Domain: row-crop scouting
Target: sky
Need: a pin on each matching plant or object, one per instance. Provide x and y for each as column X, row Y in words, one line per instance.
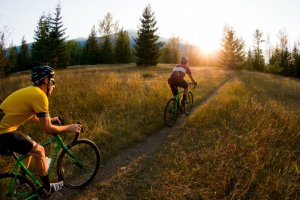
column 196, row 21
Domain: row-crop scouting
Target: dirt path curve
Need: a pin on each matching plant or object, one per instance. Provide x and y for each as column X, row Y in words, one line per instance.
column 121, row 162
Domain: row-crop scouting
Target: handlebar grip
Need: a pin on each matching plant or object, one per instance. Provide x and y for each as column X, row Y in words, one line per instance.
column 195, row 84
column 81, row 127
column 61, row 119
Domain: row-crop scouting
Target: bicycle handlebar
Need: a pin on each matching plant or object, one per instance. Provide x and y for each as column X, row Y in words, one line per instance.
column 195, row 84
column 62, row 122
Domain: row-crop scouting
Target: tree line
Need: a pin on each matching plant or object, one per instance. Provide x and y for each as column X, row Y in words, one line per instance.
column 50, row 47
column 279, row 60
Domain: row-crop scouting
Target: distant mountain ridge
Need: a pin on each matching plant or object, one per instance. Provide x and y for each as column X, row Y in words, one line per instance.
column 131, row 34
column 82, row 40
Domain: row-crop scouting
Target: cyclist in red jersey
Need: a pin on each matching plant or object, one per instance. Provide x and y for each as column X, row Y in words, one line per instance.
column 176, row 79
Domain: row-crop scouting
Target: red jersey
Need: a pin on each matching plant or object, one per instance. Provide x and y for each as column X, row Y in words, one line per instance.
column 180, row 70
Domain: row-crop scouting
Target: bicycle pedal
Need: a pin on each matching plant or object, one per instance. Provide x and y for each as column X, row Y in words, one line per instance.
column 43, row 193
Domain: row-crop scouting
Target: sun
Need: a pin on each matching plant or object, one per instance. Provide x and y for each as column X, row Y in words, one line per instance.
column 207, row 46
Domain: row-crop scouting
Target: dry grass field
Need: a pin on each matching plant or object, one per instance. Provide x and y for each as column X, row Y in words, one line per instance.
column 117, row 105
column 243, row 143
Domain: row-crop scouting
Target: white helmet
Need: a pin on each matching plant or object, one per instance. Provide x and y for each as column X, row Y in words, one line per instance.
column 184, row 60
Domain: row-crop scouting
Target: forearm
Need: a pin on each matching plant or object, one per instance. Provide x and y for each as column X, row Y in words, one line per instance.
column 53, row 129
column 49, row 128
column 192, row 78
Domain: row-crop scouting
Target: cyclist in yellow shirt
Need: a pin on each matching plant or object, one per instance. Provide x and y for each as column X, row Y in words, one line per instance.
column 31, row 104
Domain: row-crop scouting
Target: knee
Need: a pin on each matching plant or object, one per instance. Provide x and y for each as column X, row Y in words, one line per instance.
column 38, row 150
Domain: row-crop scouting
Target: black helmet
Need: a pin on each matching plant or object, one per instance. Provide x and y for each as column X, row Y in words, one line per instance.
column 40, row 73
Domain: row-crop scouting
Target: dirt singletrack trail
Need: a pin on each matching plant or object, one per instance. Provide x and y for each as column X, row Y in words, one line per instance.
column 123, row 161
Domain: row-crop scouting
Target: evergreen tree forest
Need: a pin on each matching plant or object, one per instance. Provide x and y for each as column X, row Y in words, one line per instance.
column 108, row 44
column 282, row 59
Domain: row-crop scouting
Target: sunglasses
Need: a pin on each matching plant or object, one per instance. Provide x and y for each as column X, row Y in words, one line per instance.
column 53, row 81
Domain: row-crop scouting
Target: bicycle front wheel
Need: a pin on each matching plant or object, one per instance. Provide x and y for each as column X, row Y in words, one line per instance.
column 189, row 103
column 17, row 187
column 78, row 166
column 171, row 112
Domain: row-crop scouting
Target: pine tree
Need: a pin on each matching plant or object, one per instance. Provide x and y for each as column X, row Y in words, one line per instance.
column 12, row 60
column 106, row 50
column 3, row 61
column 57, row 39
column 296, row 61
column 90, row 54
column 24, row 57
column 123, row 53
column 106, row 28
column 232, row 52
column 258, row 58
column 170, row 52
column 285, row 55
column 74, row 52
column 147, row 46
column 275, row 62
column 40, row 47
column 249, row 60
column 49, row 47
column 192, row 52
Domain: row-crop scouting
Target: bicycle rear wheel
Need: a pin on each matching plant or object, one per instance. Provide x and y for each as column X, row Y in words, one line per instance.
column 189, row 103
column 23, row 188
column 78, row 167
column 171, row 112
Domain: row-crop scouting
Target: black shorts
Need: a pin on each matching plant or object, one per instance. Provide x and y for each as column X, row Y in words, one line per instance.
column 175, row 83
column 15, row 142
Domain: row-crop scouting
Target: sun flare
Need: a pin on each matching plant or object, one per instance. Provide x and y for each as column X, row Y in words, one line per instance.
column 207, row 46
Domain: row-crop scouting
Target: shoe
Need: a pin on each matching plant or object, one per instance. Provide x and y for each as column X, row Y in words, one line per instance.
column 54, row 187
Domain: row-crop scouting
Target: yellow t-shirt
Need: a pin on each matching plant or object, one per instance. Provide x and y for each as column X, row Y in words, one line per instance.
column 21, row 106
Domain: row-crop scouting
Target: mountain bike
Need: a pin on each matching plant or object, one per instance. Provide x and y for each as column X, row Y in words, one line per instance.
column 77, row 165
column 174, row 107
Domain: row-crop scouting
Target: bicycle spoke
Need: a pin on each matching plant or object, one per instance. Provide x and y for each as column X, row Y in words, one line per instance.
column 78, row 167
column 20, row 188
column 171, row 112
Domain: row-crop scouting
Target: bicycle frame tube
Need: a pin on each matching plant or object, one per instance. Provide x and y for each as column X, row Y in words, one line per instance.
column 177, row 97
column 12, row 184
column 60, row 144
column 20, row 164
column 73, row 156
column 19, row 160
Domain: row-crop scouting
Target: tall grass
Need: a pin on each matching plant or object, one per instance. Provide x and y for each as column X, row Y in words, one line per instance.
column 117, row 105
column 243, row 144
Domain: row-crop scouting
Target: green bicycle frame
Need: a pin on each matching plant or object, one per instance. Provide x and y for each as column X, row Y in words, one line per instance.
column 20, row 164
column 177, row 97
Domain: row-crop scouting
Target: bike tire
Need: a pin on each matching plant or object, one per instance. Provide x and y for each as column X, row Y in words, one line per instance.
column 171, row 112
column 189, row 103
column 24, row 188
column 78, row 175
